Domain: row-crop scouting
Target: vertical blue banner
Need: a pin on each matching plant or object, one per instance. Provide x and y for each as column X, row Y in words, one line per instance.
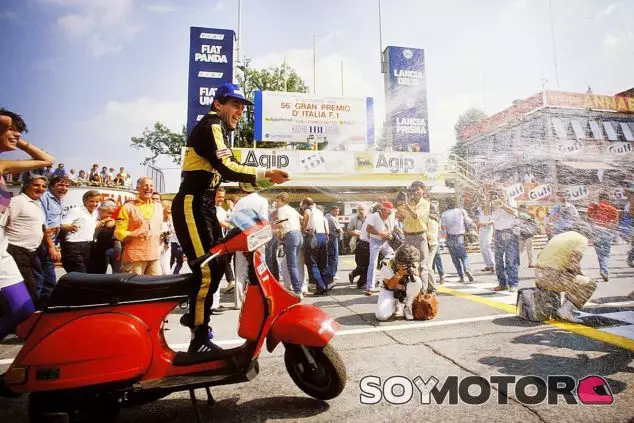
column 369, row 107
column 210, row 66
column 406, row 99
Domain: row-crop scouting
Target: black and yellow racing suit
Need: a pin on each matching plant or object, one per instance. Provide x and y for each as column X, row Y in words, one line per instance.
column 207, row 161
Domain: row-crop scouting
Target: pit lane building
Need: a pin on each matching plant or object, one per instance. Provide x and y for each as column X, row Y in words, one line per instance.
column 580, row 143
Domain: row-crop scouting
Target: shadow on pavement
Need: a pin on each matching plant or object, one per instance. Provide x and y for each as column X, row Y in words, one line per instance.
column 615, row 360
column 227, row 410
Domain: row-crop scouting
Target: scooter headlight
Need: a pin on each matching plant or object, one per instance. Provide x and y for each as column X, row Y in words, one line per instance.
column 259, row 238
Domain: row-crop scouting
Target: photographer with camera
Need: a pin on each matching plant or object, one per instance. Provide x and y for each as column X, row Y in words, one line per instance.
column 401, row 283
column 414, row 212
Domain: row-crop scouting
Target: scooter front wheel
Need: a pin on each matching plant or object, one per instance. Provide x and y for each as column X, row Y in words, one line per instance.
column 317, row 371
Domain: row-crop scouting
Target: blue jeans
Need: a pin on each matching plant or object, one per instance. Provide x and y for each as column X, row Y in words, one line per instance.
column 603, row 244
column 292, row 244
column 317, row 261
column 333, row 255
column 45, row 278
column 375, row 248
column 438, row 264
column 507, row 258
column 458, row 253
column 270, row 254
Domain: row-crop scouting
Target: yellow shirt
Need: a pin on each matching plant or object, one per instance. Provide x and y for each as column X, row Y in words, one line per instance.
column 556, row 254
column 121, row 225
column 416, row 224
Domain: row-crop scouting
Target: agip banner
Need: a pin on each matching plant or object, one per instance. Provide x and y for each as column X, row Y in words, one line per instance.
column 301, row 118
column 406, row 99
column 210, row 66
column 344, row 163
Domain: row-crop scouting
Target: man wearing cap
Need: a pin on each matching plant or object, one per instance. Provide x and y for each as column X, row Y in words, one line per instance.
column 414, row 213
column 377, row 225
column 207, row 161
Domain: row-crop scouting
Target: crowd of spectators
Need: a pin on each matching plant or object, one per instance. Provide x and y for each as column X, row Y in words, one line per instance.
column 107, row 177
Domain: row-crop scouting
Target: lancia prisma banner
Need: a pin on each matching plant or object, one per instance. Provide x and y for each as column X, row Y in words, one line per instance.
column 406, row 99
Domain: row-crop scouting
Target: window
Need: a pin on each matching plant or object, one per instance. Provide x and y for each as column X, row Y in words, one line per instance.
column 627, row 132
column 597, row 133
column 560, row 128
column 579, row 128
column 609, row 130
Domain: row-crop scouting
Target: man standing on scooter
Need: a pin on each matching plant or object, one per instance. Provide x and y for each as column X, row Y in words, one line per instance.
column 208, row 160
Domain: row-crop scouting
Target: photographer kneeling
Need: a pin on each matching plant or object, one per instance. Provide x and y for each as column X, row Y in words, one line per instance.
column 401, row 283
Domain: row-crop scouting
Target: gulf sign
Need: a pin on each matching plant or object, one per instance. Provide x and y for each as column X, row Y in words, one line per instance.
column 406, row 99
column 304, row 118
column 210, row 66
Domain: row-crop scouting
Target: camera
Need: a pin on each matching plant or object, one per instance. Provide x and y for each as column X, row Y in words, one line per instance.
column 403, row 196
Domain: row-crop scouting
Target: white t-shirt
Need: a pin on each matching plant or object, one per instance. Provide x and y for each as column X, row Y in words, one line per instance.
column 316, row 221
column 293, row 216
column 26, row 218
column 253, row 201
column 377, row 223
column 86, row 221
column 502, row 220
column 364, row 231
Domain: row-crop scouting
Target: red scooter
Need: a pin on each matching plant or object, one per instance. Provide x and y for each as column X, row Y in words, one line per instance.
column 99, row 345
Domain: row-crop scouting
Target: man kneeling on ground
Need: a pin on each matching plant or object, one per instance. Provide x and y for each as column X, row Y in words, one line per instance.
column 401, row 283
column 559, row 270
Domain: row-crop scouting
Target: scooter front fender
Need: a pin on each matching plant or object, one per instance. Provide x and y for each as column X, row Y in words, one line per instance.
column 302, row 324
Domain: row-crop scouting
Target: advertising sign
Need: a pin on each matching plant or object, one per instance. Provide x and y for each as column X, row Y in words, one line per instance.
column 301, row 118
column 343, row 162
column 406, row 99
column 210, row 66
column 576, row 193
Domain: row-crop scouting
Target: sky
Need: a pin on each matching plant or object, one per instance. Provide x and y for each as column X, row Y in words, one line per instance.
column 87, row 75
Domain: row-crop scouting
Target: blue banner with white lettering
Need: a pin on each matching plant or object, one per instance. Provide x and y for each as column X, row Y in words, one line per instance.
column 210, row 66
column 406, row 99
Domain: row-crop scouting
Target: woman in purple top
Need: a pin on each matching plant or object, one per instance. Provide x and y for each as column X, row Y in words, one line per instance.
column 15, row 301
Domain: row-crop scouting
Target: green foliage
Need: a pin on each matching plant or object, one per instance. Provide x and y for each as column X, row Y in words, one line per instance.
column 467, row 118
column 160, row 141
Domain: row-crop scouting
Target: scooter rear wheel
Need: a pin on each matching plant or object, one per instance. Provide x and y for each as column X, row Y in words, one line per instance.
column 324, row 380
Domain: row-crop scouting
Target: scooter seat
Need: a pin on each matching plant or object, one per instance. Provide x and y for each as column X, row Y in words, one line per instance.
column 84, row 289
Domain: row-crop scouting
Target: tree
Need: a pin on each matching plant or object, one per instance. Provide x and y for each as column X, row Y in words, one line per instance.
column 466, row 119
column 160, row 141
column 280, row 78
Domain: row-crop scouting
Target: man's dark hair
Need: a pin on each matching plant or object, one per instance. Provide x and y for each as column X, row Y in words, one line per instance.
column 451, row 203
column 56, row 179
column 222, row 100
column 17, row 120
column 406, row 255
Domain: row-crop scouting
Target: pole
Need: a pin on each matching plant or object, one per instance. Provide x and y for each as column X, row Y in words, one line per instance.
column 552, row 37
column 342, row 78
column 380, row 37
column 314, row 66
column 238, row 50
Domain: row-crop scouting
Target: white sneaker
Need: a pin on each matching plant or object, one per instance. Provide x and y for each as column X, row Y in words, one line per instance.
column 566, row 312
column 407, row 312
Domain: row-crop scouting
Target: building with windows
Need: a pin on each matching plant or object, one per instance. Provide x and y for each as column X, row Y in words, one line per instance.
column 579, row 143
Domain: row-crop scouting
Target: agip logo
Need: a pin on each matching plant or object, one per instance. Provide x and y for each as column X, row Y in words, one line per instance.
column 408, row 54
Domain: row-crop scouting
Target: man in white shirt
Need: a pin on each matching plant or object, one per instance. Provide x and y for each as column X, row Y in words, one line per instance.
column 223, row 219
column 316, row 228
column 25, row 230
column 454, row 222
column 378, row 229
column 291, row 234
column 76, row 245
column 507, row 243
column 260, row 204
